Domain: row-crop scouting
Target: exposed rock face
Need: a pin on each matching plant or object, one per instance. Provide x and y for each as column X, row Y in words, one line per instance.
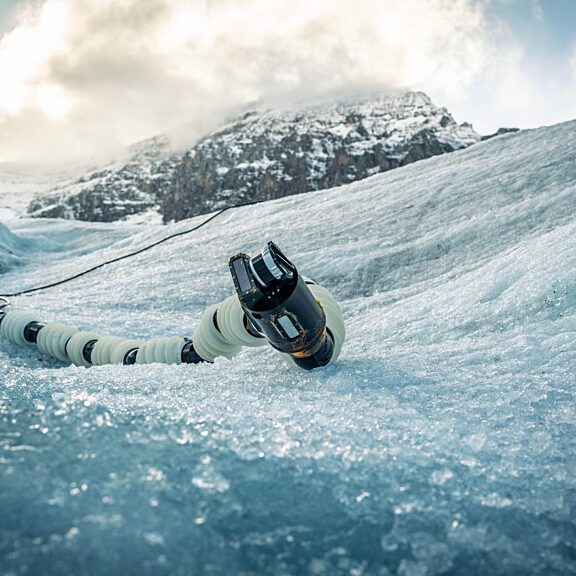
column 116, row 191
column 266, row 155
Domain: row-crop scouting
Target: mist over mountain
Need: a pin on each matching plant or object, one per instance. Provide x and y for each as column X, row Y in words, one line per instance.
column 262, row 155
column 82, row 78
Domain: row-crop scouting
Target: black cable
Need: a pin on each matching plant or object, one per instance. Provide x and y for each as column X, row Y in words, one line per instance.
column 45, row 287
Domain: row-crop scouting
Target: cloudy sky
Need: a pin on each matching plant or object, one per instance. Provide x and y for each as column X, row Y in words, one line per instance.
column 84, row 77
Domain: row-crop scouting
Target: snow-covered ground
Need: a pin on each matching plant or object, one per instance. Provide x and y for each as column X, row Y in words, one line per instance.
column 442, row 442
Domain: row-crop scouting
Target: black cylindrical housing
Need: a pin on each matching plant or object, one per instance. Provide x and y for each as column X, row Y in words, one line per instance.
column 87, row 350
column 130, row 357
column 189, row 354
column 320, row 357
column 292, row 320
column 31, row 331
column 277, row 301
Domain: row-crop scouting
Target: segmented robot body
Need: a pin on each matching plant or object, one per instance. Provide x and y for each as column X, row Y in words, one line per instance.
column 273, row 305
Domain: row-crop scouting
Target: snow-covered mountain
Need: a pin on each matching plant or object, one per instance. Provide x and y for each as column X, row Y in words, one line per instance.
column 443, row 442
column 262, row 156
column 130, row 187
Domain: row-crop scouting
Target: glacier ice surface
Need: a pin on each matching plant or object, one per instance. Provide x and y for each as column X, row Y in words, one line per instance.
column 442, row 442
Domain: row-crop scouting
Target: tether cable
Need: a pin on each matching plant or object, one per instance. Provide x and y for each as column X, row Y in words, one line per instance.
column 125, row 256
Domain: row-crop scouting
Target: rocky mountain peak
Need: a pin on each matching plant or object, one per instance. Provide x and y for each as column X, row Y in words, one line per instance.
column 262, row 155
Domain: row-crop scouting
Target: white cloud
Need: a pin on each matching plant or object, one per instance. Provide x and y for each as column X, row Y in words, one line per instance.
column 515, row 91
column 538, row 10
column 80, row 76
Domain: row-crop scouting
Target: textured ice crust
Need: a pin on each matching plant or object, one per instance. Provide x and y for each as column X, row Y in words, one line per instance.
column 443, row 442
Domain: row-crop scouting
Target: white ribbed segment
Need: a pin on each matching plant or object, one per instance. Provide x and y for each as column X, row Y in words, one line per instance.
column 122, row 348
column 209, row 343
column 334, row 318
column 75, row 347
column 102, row 351
column 147, row 352
column 52, row 340
column 231, row 322
column 13, row 325
column 161, row 350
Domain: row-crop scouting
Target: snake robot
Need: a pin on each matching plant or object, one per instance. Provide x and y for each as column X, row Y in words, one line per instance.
column 273, row 304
